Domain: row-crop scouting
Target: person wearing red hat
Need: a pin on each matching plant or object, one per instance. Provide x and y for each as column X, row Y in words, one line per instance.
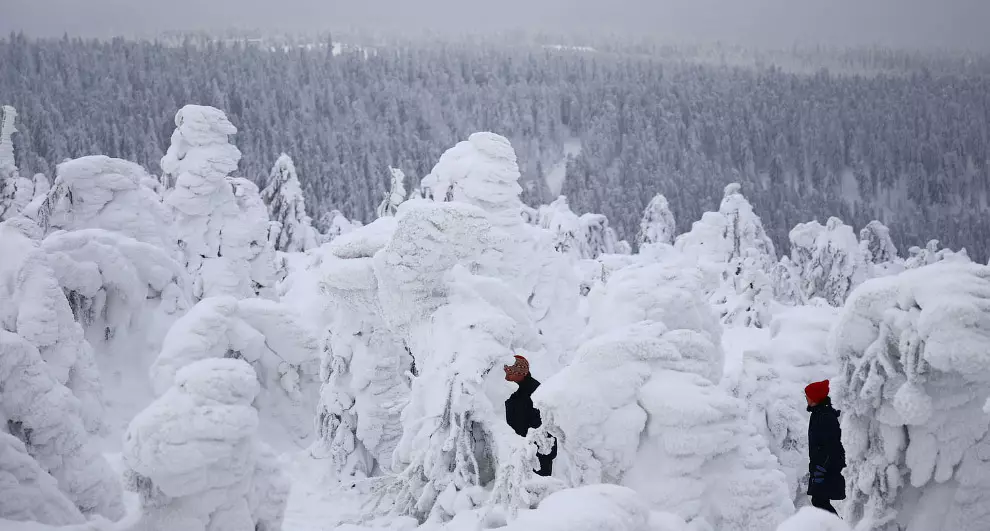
column 520, row 413
column 827, row 457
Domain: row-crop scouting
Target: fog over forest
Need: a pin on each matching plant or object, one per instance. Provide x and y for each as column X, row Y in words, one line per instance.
column 901, row 23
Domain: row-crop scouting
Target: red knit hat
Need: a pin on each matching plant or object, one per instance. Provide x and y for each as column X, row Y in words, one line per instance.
column 517, row 371
column 817, row 392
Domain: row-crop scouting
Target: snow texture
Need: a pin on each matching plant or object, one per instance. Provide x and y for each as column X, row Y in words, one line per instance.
column 480, row 171
column 581, row 237
column 194, row 459
column 827, row 261
column 28, row 492
column 45, row 416
column 912, row 351
column 269, row 336
column 638, row 407
column 771, row 384
column 99, row 192
column 811, row 519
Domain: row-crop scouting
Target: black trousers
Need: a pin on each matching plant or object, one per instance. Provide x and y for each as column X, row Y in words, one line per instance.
column 823, row 503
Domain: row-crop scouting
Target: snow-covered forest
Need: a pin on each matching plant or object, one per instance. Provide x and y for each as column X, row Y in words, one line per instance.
column 189, row 343
column 883, row 134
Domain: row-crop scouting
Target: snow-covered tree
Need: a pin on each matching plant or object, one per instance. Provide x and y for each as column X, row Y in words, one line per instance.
column 46, row 417
column 27, row 491
column 266, row 334
column 16, row 192
column 479, row 171
column 913, row 383
column 827, row 260
column 581, row 237
column 463, row 455
column 930, row 254
column 638, row 407
column 877, row 243
column 284, row 197
column 194, row 458
column 658, row 224
column 221, row 223
column 36, row 308
column 772, row 378
column 333, row 224
column 364, row 368
column 746, row 296
column 745, row 229
column 396, row 194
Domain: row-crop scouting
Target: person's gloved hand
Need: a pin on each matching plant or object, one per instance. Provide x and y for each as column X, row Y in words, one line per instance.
column 818, row 475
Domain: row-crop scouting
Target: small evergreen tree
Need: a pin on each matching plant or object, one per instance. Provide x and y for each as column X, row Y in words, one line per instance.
column 284, row 197
column 658, row 224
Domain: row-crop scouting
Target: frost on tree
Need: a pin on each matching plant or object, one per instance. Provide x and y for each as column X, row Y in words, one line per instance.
column 745, row 296
column 827, row 261
column 194, row 457
column 658, row 224
column 581, row 237
column 438, row 295
column 28, row 493
column 16, row 192
column 396, row 194
column 638, row 407
column 36, row 308
column 99, row 192
column 483, row 172
column 221, row 223
column 771, row 381
column 333, row 224
column 479, row 171
column 284, row 197
column 912, row 352
column 364, row 366
column 45, row 416
column 930, row 254
column 456, row 452
column 879, row 251
column 267, row 335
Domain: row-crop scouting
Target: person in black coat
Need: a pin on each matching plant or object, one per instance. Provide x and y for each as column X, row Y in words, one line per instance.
column 826, row 456
column 520, row 413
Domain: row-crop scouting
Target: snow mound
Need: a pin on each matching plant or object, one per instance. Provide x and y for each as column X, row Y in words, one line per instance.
column 590, row 508
column 812, row 519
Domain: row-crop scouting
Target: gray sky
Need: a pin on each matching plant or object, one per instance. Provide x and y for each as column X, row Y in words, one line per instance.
column 910, row 23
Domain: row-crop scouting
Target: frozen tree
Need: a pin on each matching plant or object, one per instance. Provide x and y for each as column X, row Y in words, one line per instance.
column 770, row 385
column 16, row 192
column 396, row 194
column 456, row 452
column 745, row 229
column 827, row 261
column 36, row 308
column 658, row 224
column 221, row 223
column 266, row 334
column 479, row 171
column 333, row 224
column 746, row 296
column 27, row 491
column 638, row 407
column 877, row 244
column 286, row 205
column 930, row 254
column 194, row 458
column 913, row 383
column 46, row 418
column 99, row 192
column 364, row 368
column 581, row 237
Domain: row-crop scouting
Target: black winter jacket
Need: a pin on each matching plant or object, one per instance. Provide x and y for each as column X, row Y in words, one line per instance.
column 521, row 415
column 825, row 450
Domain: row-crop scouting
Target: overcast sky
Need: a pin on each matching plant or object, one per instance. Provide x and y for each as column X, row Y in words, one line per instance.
column 911, row 23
